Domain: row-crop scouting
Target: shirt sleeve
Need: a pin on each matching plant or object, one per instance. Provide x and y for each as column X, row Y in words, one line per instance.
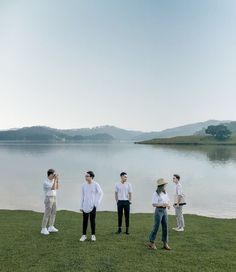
column 155, row 198
column 116, row 188
column 99, row 195
column 130, row 188
column 179, row 190
column 82, row 198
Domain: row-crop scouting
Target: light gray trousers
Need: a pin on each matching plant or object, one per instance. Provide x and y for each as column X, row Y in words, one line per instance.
column 179, row 217
column 50, row 211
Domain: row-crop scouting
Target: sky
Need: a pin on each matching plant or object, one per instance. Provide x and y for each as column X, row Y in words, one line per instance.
column 136, row 64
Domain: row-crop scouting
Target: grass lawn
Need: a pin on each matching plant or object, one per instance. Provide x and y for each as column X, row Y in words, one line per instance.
column 190, row 140
column 206, row 245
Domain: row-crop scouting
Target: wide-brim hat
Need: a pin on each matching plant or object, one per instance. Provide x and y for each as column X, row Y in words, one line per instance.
column 161, row 181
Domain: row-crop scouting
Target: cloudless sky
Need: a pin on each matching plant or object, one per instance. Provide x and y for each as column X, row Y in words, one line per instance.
column 136, row 64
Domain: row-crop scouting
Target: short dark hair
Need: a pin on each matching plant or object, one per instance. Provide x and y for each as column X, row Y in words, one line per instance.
column 50, row 171
column 92, row 175
column 177, row 176
column 123, row 174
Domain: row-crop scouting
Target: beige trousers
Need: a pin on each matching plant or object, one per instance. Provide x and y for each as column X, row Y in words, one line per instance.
column 179, row 217
column 50, row 211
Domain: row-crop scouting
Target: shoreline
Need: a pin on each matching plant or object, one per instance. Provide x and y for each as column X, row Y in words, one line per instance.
column 114, row 212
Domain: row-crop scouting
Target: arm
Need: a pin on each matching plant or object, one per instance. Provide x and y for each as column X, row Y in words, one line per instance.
column 130, row 197
column 130, row 193
column 116, row 197
column 99, row 196
column 82, row 200
column 55, row 185
column 179, row 195
column 178, row 199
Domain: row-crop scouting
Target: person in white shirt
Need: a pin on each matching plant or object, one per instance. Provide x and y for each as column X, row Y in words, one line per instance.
column 50, row 186
column 178, row 204
column 160, row 201
column 91, row 197
column 123, row 197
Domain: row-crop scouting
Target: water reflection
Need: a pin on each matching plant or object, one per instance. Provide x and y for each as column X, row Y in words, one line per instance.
column 215, row 154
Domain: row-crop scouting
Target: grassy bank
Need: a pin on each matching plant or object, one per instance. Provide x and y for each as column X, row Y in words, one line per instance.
column 206, row 245
column 190, row 140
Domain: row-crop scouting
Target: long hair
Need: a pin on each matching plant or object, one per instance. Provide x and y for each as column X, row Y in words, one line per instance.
column 161, row 189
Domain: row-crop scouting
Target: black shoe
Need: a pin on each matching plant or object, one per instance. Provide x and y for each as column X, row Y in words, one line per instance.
column 127, row 231
column 119, row 231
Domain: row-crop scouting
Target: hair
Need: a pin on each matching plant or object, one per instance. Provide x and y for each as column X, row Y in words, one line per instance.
column 161, row 189
column 50, row 171
column 123, row 174
column 92, row 175
column 177, row 176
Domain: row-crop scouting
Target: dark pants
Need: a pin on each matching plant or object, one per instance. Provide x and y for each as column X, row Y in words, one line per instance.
column 92, row 216
column 160, row 218
column 123, row 205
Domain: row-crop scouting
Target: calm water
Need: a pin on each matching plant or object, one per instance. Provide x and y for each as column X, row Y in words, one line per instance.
column 208, row 174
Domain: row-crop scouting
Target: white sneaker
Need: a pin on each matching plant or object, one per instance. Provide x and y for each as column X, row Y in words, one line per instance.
column 93, row 238
column 180, row 229
column 83, row 238
column 175, row 228
column 44, row 231
column 52, row 229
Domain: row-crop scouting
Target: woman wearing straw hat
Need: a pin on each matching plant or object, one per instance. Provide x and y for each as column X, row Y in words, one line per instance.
column 160, row 201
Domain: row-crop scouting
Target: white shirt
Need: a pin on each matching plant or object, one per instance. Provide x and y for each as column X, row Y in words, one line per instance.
column 123, row 190
column 160, row 199
column 47, row 187
column 91, row 196
column 179, row 190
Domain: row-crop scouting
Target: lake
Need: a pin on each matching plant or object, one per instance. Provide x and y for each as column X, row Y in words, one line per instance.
column 208, row 174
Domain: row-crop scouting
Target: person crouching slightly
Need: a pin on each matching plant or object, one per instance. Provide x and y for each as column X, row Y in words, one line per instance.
column 160, row 201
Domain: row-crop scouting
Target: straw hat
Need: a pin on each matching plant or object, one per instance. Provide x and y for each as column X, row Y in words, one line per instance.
column 161, row 181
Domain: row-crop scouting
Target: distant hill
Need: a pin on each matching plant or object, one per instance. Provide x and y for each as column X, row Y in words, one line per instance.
column 117, row 133
column 39, row 133
column 185, row 130
column 104, row 133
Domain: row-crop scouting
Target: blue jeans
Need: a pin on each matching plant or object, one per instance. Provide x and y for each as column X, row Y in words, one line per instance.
column 160, row 217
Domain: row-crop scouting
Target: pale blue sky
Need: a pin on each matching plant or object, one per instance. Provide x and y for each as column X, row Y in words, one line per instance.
column 135, row 64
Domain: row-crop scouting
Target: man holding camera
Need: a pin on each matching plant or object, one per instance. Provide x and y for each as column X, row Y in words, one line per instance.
column 50, row 185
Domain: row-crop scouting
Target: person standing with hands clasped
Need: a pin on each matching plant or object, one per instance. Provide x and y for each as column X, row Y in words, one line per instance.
column 50, row 185
column 90, row 199
column 123, row 197
column 179, row 203
column 161, row 202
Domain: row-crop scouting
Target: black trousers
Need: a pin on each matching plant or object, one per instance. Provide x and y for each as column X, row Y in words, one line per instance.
column 123, row 205
column 92, row 216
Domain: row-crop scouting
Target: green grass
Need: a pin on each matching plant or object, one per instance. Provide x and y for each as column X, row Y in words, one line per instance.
column 207, row 245
column 190, row 140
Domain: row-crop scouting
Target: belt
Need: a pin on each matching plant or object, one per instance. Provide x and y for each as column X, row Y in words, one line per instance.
column 161, row 207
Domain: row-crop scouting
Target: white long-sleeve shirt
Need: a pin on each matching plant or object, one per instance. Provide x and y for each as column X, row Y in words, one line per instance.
column 91, row 196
